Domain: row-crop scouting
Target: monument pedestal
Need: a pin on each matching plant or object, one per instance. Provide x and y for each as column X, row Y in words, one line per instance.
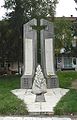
column 40, row 98
column 46, row 107
column 26, row 82
column 52, row 82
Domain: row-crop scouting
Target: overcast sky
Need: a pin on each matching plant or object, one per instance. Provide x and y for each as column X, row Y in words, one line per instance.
column 64, row 8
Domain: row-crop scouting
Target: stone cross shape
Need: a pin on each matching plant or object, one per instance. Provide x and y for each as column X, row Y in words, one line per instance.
column 38, row 28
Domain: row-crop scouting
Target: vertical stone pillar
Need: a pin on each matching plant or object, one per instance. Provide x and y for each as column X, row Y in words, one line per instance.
column 47, row 54
column 30, row 49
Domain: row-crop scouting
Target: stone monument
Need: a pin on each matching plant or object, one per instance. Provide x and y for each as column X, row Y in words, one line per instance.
column 30, row 49
column 43, row 47
column 39, row 85
column 47, row 54
column 39, row 73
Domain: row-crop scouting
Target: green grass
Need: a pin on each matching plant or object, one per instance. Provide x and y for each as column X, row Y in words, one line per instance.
column 68, row 104
column 9, row 103
column 66, row 78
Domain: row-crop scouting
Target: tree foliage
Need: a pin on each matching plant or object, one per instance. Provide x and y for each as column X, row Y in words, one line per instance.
column 32, row 8
column 21, row 11
column 63, row 34
column 8, row 46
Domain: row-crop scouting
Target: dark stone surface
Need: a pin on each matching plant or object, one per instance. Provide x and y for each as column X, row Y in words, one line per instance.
column 52, row 82
column 26, row 82
column 40, row 98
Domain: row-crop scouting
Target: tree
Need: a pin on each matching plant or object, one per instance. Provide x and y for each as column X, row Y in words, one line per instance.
column 7, row 43
column 63, row 34
column 76, row 3
column 32, row 8
column 24, row 10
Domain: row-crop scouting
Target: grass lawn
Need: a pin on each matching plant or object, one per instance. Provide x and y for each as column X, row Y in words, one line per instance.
column 9, row 103
column 68, row 103
column 66, row 78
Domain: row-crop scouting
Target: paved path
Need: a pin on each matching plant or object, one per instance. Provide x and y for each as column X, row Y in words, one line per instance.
column 35, row 118
column 52, row 97
column 74, row 84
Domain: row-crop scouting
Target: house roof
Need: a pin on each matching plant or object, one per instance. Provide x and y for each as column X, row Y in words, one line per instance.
column 67, row 18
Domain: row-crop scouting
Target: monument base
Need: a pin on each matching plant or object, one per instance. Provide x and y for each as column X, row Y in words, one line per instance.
column 52, row 82
column 40, row 98
column 26, row 82
column 52, row 97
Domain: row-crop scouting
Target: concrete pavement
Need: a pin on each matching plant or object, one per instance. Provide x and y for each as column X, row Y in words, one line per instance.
column 52, row 97
column 35, row 118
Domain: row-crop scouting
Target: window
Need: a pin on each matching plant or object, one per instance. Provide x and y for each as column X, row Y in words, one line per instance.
column 2, row 65
column 67, row 62
column 74, row 61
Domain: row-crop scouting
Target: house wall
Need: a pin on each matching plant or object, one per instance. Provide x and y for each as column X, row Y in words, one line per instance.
column 9, row 67
column 14, row 67
column 66, row 62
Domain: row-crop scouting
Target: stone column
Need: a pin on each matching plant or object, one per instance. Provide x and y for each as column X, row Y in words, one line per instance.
column 30, row 49
column 47, row 54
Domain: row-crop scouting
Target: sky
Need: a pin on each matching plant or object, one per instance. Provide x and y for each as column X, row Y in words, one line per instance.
column 2, row 10
column 64, row 8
